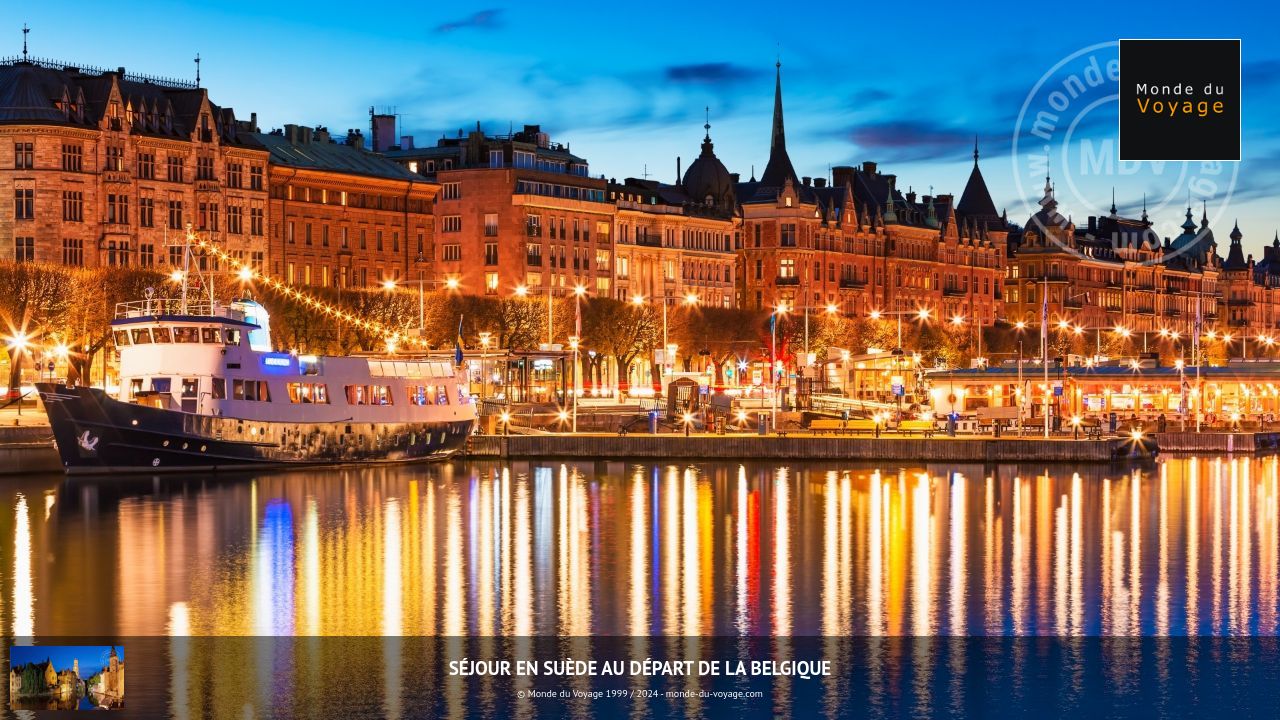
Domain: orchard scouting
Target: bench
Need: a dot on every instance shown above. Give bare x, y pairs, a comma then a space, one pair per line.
842, 426
924, 427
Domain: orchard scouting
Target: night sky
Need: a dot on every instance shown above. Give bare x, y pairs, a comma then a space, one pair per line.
908, 86
92, 658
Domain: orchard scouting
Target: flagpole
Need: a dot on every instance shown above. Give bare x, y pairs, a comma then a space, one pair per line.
1044, 348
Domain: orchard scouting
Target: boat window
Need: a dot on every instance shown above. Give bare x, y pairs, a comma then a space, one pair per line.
161, 384
141, 336
253, 390
231, 336
219, 389
418, 394
463, 398
162, 334
186, 334
368, 395
122, 338
308, 365
210, 335
308, 393
135, 387
442, 395
190, 387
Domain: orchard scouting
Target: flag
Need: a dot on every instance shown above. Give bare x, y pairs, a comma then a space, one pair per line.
457, 344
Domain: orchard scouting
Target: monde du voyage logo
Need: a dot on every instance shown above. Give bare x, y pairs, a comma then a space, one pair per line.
1180, 100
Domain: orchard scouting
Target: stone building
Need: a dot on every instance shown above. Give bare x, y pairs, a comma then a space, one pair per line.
860, 244
515, 211
107, 168
340, 215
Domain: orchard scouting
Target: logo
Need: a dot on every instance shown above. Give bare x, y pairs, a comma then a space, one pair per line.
1067, 164
1180, 100
88, 442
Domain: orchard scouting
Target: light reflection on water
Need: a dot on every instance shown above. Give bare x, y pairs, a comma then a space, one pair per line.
1187, 546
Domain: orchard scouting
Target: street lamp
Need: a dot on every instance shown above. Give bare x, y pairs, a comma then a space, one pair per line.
485, 337
773, 360
389, 284
245, 274
573, 343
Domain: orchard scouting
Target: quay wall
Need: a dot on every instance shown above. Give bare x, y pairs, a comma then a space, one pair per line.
977, 450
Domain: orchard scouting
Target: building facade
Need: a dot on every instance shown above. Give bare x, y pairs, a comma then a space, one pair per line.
109, 168
342, 216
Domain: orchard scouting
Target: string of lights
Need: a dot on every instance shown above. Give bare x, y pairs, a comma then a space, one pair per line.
247, 273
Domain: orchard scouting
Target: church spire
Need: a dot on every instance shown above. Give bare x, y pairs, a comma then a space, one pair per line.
1113, 201
975, 201
779, 168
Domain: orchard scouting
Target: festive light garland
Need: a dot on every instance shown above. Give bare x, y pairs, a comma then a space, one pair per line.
246, 273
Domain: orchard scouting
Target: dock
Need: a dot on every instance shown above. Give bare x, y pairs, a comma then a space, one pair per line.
802, 447
1219, 442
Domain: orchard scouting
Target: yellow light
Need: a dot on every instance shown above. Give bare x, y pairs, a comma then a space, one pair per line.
61, 350
388, 284
176, 276
1021, 325
521, 290
579, 290
782, 308
1136, 435
875, 314
1075, 419
451, 283
1122, 331
1077, 329
505, 417
564, 415
1063, 324
688, 418
391, 344
19, 341
923, 313
742, 416
637, 299
246, 274
957, 320
832, 308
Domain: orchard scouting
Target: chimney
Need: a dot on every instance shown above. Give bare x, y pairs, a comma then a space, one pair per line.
1093, 225
819, 182
253, 121
384, 131
868, 167
406, 142
679, 176
291, 132
355, 138
321, 134
841, 175
735, 177
806, 180
911, 196
120, 71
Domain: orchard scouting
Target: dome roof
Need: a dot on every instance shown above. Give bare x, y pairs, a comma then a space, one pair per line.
708, 177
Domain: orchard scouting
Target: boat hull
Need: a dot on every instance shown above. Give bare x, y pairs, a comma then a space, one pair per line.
98, 434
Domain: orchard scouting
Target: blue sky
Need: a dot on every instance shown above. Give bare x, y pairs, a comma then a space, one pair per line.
907, 86
92, 658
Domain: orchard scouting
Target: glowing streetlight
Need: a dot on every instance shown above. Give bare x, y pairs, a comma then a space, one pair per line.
923, 313
19, 341
451, 283
637, 300
388, 284
875, 315
522, 291
245, 274
957, 320
691, 299
1020, 325
177, 276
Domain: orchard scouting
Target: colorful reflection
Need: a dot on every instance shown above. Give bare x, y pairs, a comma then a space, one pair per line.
1185, 546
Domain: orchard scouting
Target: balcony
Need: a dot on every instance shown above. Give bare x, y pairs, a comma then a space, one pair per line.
851, 283
1239, 302
208, 186
788, 280
116, 176
534, 261
1172, 312
649, 241
533, 230
953, 292
1144, 311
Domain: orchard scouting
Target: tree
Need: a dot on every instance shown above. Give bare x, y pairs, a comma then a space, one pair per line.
623, 331
34, 298
95, 295
721, 334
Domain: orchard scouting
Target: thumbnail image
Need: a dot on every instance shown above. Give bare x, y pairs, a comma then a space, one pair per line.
53, 677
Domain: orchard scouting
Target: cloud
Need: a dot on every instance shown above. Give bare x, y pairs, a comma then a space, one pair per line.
869, 96
710, 73
1261, 73
490, 19
907, 140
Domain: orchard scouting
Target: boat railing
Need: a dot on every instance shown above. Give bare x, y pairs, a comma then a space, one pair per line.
174, 306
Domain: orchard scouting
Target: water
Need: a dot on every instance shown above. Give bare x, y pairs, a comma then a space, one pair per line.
810, 561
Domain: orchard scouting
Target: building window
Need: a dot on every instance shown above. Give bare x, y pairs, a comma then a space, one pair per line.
306, 233
495, 158
72, 157
234, 220
344, 237
146, 255
204, 167
118, 209
72, 251
115, 158
602, 260
255, 177
788, 234
24, 155
491, 225
452, 191
118, 254
173, 168
491, 283
175, 255
175, 214
377, 234
452, 253
24, 203
234, 171
289, 228
452, 224
146, 166
624, 268
787, 268
24, 249
759, 269
256, 221
534, 254
72, 206
491, 253
324, 236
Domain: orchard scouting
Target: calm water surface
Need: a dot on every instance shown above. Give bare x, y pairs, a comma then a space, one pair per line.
581, 550
1186, 546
